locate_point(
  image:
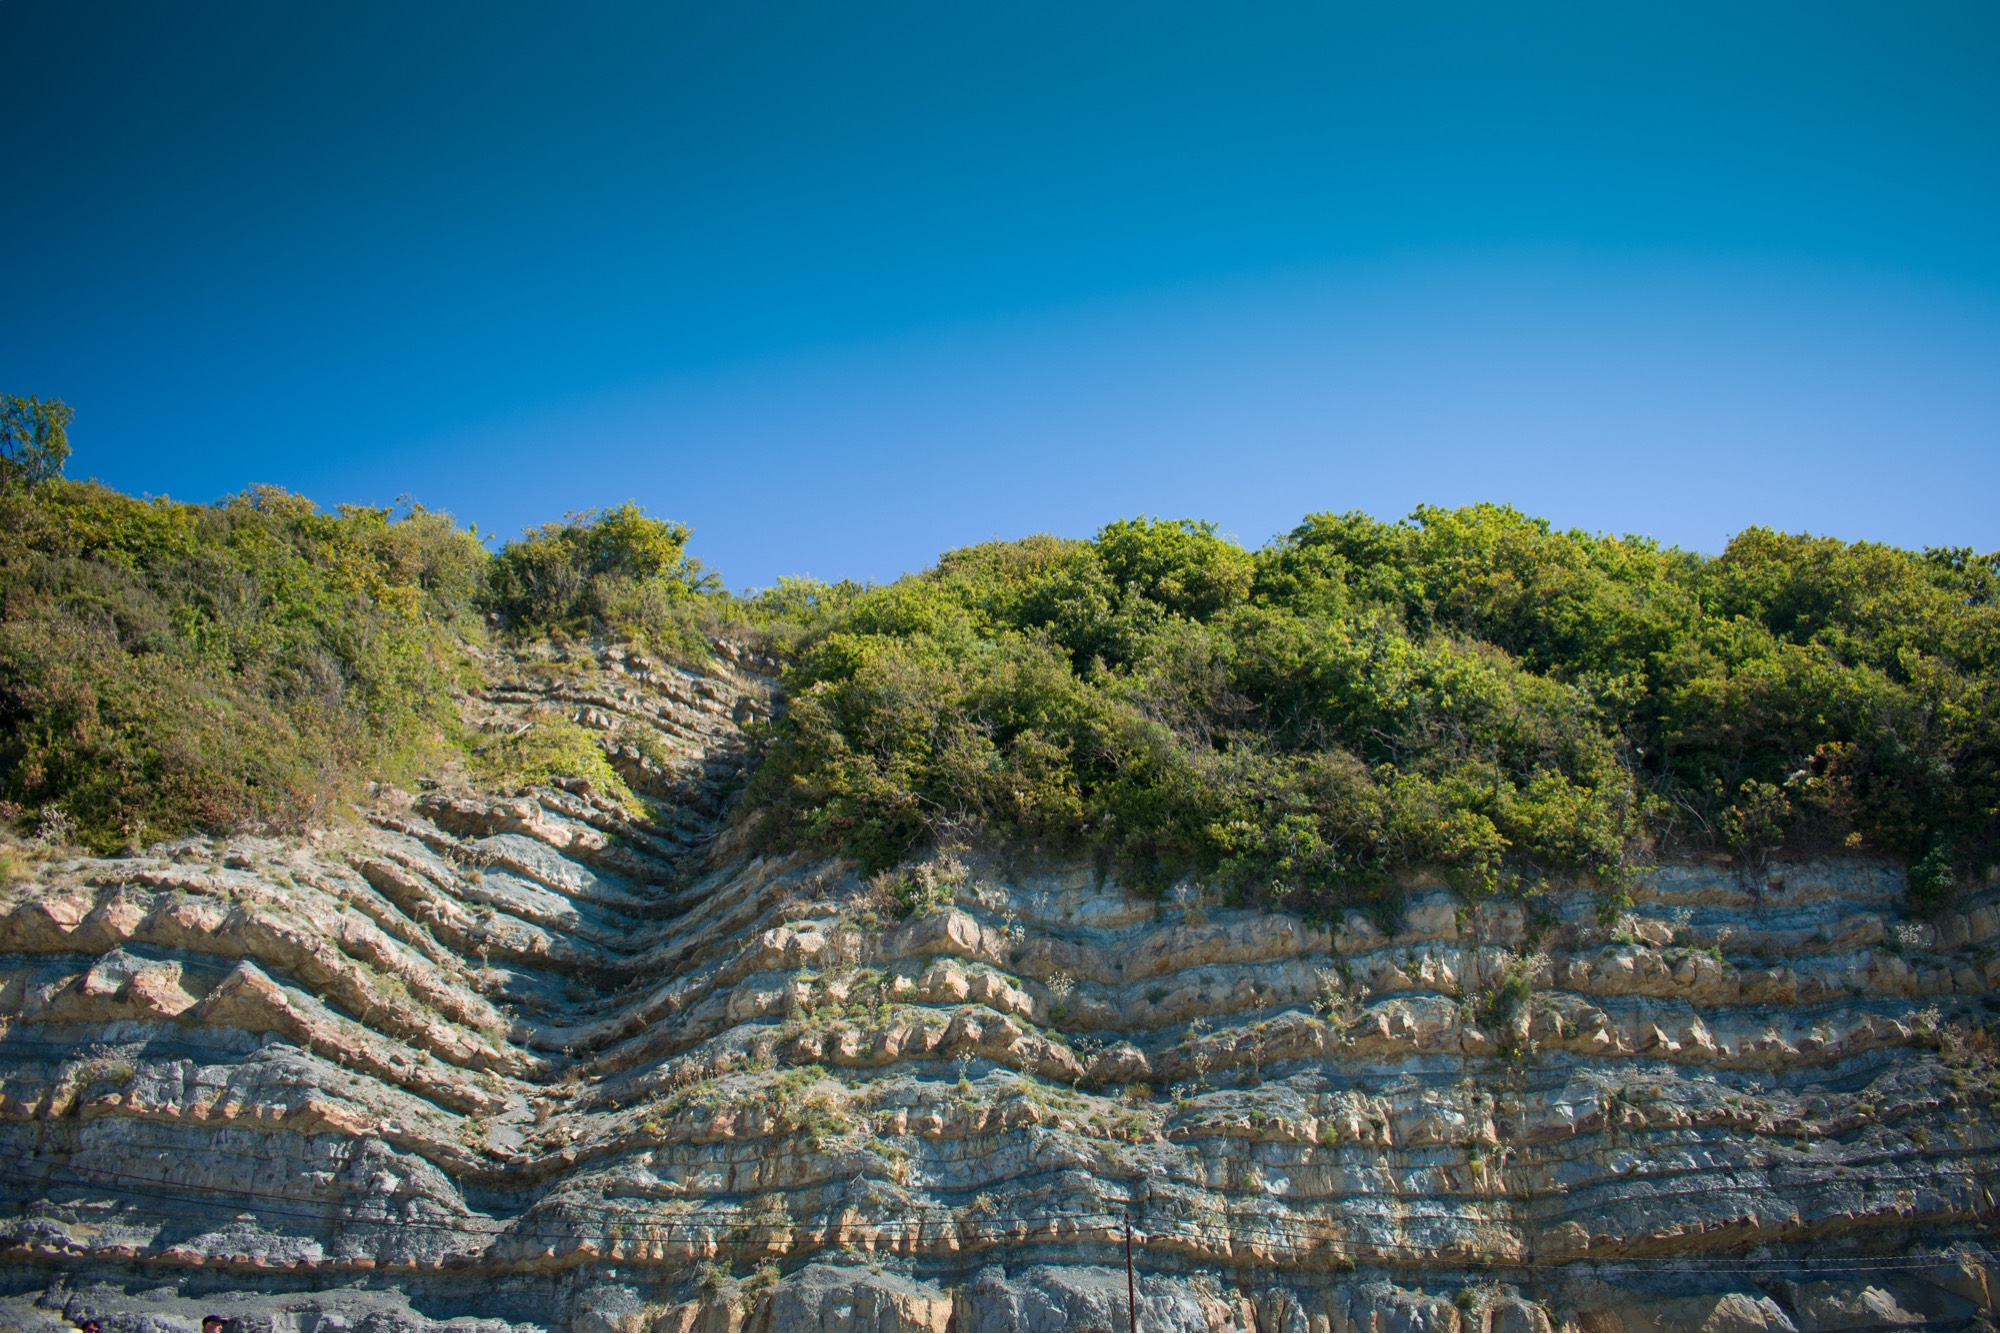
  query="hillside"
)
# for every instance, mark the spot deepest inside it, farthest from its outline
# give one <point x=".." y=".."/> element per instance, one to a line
<point x="1447" y="925"/>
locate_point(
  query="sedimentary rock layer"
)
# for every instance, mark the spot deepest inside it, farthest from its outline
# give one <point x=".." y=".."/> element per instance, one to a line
<point x="531" y="1058"/>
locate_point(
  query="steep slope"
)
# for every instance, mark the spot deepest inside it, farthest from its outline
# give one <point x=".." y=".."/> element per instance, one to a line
<point x="485" y="1058"/>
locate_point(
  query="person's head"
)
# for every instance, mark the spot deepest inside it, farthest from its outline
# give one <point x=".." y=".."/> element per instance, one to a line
<point x="90" y="1327"/>
<point x="212" y="1324"/>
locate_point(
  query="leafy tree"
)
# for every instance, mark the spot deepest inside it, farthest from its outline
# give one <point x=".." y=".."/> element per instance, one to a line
<point x="34" y="439"/>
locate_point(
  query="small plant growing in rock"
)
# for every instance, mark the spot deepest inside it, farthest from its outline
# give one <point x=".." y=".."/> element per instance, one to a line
<point x="1541" y="920"/>
<point x="1059" y="985"/>
<point x="1331" y="1001"/>
<point x="1509" y="997"/>
<point x="1475" y="1301"/>
<point x="761" y="1281"/>
<point x="55" y="828"/>
<point x="922" y="888"/>
<point x="1613" y="906"/>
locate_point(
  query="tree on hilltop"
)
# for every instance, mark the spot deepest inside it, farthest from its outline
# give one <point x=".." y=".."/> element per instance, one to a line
<point x="34" y="438"/>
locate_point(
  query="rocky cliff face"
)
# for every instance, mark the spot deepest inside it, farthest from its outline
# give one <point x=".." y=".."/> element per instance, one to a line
<point x="481" y="1059"/>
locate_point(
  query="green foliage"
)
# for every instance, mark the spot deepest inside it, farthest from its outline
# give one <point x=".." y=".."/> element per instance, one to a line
<point x="1931" y="879"/>
<point x="1467" y="690"/>
<point x="1511" y="993"/>
<point x="803" y="1102"/>
<point x="34" y="439"/>
<point x="920" y="889"/>
<point x="549" y="748"/>
<point x="166" y="667"/>
<point x="614" y="572"/>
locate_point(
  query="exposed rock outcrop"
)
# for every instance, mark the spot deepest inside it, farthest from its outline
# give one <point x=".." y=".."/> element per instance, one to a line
<point x="534" y="1059"/>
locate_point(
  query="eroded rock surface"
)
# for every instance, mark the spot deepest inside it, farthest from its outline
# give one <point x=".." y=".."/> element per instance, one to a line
<point x="527" y="1059"/>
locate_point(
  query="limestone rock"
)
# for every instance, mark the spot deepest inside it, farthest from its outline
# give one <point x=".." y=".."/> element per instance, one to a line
<point x="1844" y="1306"/>
<point x="1064" y="1297"/>
<point x="836" y="1299"/>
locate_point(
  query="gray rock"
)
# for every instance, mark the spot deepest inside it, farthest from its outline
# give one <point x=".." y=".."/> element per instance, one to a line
<point x="1384" y="1306"/>
<point x="607" y="1308"/>
<point x="839" y="1299"/>
<point x="1066" y="1297"/>
<point x="1517" y="1315"/>
<point x="1845" y="1306"/>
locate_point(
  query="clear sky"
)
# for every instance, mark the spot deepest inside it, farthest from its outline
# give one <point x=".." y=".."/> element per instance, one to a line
<point x="843" y="285"/>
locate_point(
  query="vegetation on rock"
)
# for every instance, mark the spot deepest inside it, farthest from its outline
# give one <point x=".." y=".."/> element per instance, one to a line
<point x="617" y="571"/>
<point x="1467" y="690"/>
<point x="166" y="666"/>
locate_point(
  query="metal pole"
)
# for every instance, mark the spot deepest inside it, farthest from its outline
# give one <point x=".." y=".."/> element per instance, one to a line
<point x="1131" y="1290"/>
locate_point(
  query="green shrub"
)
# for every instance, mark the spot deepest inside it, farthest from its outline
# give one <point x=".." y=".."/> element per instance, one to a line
<point x="166" y="667"/>
<point x="614" y="572"/>
<point x="550" y="747"/>
<point x="1511" y="993"/>
<point x="1468" y="691"/>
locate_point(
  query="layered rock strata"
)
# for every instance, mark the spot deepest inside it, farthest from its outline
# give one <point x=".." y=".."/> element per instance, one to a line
<point x="538" y="1059"/>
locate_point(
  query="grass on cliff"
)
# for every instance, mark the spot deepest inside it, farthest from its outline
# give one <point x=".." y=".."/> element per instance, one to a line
<point x="1467" y="690"/>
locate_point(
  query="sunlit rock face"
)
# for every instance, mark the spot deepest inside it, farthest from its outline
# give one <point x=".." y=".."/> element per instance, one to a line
<point x="482" y="1060"/>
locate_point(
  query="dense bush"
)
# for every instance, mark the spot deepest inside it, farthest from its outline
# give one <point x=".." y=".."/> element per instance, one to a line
<point x="168" y="667"/>
<point x="1465" y="690"/>
<point x="615" y="572"/>
<point x="165" y="667"/>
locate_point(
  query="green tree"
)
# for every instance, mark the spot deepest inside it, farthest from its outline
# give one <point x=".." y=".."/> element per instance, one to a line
<point x="34" y="438"/>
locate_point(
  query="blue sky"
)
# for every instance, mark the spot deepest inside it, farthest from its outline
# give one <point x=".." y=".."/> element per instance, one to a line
<point x="844" y="285"/>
